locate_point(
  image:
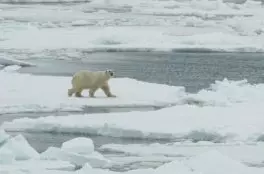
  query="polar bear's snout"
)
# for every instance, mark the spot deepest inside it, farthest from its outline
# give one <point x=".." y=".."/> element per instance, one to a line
<point x="110" y="72"/>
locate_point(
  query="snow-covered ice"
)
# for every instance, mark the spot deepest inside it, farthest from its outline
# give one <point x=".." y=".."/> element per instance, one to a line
<point x="17" y="154"/>
<point x="74" y="152"/>
<point x="208" y="162"/>
<point x="79" y="145"/>
<point x="4" y="61"/>
<point x="3" y="136"/>
<point x="95" y="159"/>
<point x="29" y="93"/>
<point x="117" y="38"/>
<point x="241" y="123"/>
<point x="228" y="111"/>
<point x="248" y="153"/>
<point x="25" y="93"/>
<point x="62" y="162"/>
<point x="38" y="164"/>
<point x="152" y="25"/>
<point x="19" y="146"/>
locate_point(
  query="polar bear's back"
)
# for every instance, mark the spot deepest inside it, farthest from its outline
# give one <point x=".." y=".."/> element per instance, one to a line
<point x="89" y="79"/>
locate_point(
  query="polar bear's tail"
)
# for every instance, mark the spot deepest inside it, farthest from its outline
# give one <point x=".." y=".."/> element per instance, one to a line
<point x="70" y="92"/>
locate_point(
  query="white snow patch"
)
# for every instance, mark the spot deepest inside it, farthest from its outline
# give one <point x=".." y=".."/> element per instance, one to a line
<point x="6" y="156"/>
<point x="20" y="148"/>
<point x="42" y="1"/>
<point x="250" y="153"/>
<point x="80" y="145"/>
<point x="207" y="163"/>
<point x="151" y="24"/>
<point x="17" y="98"/>
<point x="147" y="38"/>
<point x="29" y="93"/>
<point x="36" y="164"/>
<point x="9" y="62"/>
<point x="3" y="136"/>
<point x="53" y="153"/>
<point x="228" y="92"/>
<point x="11" y="68"/>
<point x="178" y="122"/>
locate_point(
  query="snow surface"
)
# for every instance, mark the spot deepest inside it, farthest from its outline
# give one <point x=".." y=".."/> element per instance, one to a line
<point x="79" y="145"/>
<point x="208" y="163"/>
<point x="241" y="122"/>
<point x="151" y="24"/>
<point x="248" y="153"/>
<point x="78" y="151"/>
<point x="29" y="93"/>
<point x="227" y="111"/>
<point x="4" y="61"/>
<point x="55" y="160"/>
<point x="20" y="148"/>
<point x="3" y="136"/>
<point x="54" y="153"/>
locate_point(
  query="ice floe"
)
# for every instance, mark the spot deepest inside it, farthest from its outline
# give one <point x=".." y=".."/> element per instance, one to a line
<point x="25" y="93"/>
<point x="241" y="122"/>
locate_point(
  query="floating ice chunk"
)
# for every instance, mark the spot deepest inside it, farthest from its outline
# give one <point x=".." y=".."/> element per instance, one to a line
<point x="6" y="156"/>
<point x="11" y="68"/>
<point x="16" y="98"/>
<point x="80" y="23"/>
<point x="214" y="162"/>
<point x="185" y="122"/>
<point x="20" y="148"/>
<point x="171" y="167"/>
<point x="97" y="160"/>
<point x="251" y="153"/>
<point x="33" y="164"/>
<point x="12" y="62"/>
<point x="208" y="163"/>
<point x="53" y="153"/>
<point x="10" y="171"/>
<point x="80" y="145"/>
<point x="3" y="136"/>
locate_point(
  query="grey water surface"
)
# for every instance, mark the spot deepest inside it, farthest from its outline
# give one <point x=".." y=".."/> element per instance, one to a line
<point x="194" y="71"/>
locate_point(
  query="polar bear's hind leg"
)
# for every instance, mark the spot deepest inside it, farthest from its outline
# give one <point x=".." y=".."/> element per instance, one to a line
<point x="78" y="93"/>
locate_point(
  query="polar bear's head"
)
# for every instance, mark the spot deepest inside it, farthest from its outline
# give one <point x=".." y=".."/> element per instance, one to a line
<point x="110" y="73"/>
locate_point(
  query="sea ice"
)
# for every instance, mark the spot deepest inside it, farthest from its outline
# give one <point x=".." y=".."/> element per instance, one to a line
<point x="29" y="93"/>
<point x="249" y="153"/>
<point x="37" y="164"/>
<point x="240" y="122"/>
<point x="208" y="163"/>
<point x="80" y="145"/>
<point x="152" y="25"/>
<point x="6" y="156"/>
<point x="20" y="148"/>
<point x="3" y="136"/>
<point x="54" y="153"/>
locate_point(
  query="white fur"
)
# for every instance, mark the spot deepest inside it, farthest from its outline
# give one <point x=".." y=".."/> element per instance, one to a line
<point x="91" y="80"/>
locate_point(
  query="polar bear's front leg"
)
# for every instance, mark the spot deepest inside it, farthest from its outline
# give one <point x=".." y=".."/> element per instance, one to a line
<point x="70" y="92"/>
<point x="78" y="93"/>
<point x="107" y="91"/>
<point x="92" y="91"/>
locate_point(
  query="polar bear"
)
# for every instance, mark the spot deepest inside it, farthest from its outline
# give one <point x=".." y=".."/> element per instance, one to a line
<point x="91" y="80"/>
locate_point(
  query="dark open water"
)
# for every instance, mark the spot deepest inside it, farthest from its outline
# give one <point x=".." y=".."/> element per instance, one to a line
<point x="192" y="70"/>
